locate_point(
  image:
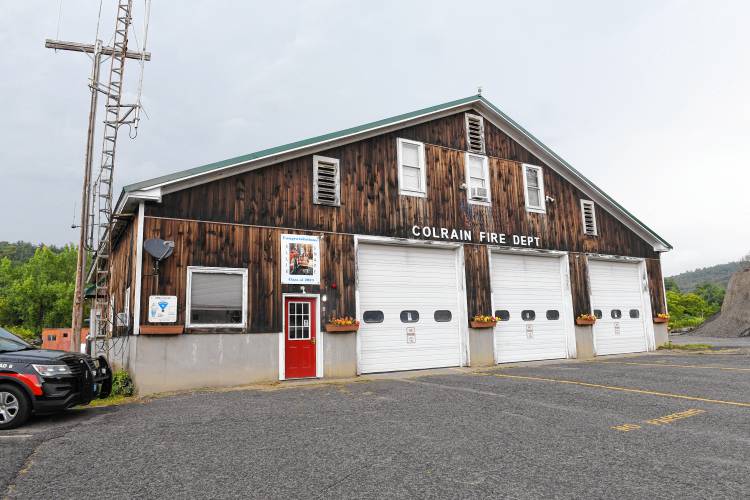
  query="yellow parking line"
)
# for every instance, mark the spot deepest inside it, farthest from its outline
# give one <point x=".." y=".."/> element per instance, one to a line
<point x="703" y="367"/>
<point x="668" y="419"/>
<point x="625" y="389"/>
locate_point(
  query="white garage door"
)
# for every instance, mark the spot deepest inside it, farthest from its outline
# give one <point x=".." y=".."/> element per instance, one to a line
<point x="409" y="308"/>
<point x="529" y="292"/>
<point x="617" y="302"/>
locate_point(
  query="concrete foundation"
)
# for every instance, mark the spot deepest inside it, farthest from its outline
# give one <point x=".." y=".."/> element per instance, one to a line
<point x="661" y="334"/>
<point x="340" y="355"/>
<point x="162" y="363"/>
<point x="584" y="342"/>
<point x="481" y="347"/>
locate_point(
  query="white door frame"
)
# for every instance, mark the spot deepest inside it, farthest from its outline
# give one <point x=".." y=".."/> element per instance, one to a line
<point x="320" y="338"/>
<point x="463" y="332"/>
<point x="647" y="316"/>
<point x="568" y="316"/>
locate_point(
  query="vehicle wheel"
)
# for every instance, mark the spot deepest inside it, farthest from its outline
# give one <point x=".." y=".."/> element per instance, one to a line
<point x="106" y="389"/>
<point x="15" y="407"/>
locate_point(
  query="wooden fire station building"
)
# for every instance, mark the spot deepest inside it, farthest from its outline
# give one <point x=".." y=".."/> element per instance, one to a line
<point x="412" y="225"/>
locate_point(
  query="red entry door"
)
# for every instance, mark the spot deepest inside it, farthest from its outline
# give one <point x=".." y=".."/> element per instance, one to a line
<point x="301" y="336"/>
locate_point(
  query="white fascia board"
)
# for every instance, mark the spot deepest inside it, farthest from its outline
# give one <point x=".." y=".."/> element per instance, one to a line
<point x="133" y="198"/>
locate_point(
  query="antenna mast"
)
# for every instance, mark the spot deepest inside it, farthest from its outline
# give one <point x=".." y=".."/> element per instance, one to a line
<point x="96" y="207"/>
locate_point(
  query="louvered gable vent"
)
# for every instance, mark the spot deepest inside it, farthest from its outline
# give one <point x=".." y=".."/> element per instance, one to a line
<point x="326" y="181"/>
<point x="589" y="217"/>
<point x="475" y="133"/>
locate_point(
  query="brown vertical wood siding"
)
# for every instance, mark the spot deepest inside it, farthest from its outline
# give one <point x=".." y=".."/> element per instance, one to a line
<point x="259" y="251"/>
<point x="123" y="271"/>
<point x="656" y="286"/>
<point x="236" y="221"/>
<point x="478" y="289"/>
<point x="579" y="284"/>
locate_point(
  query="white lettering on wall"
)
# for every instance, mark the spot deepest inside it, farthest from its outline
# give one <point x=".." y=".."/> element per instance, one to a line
<point x="443" y="233"/>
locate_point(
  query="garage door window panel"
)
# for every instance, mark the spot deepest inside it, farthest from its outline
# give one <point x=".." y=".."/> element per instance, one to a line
<point x="528" y="315"/>
<point x="502" y="314"/>
<point x="409" y="316"/>
<point x="616" y="314"/>
<point x="373" y="316"/>
<point x="411" y="161"/>
<point x="442" y="316"/>
<point x="217" y="297"/>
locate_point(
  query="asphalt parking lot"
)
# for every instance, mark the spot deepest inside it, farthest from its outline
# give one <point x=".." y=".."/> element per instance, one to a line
<point x="658" y="425"/>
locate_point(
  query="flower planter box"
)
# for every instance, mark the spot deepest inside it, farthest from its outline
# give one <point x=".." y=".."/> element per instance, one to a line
<point x="661" y="320"/>
<point x="341" y="328"/>
<point x="483" y="324"/>
<point x="585" y="322"/>
<point x="162" y="329"/>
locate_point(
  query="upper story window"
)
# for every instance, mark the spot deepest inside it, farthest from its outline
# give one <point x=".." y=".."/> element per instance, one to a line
<point x="588" y="212"/>
<point x="216" y="297"/>
<point x="412" y="179"/>
<point x="475" y="133"/>
<point x="477" y="178"/>
<point x="533" y="184"/>
<point x="326" y="183"/>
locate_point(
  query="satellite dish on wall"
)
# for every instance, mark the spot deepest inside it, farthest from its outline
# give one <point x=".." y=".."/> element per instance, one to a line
<point x="158" y="248"/>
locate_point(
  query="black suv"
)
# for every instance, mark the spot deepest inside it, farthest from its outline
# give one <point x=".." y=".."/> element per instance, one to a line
<point x="44" y="381"/>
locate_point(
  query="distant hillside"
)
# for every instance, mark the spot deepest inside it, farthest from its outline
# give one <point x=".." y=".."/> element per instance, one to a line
<point x="718" y="275"/>
<point x="21" y="251"/>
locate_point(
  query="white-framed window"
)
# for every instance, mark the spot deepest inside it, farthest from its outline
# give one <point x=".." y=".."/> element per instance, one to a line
<point x="412" y="178"/>
<point x="326" y="183"/>
<point x="474" y="133"/>
<point x="588" y="214"/>
<point x="533" y="187"/>
<point x="216" y="297"/>
<point x="477" y="179"/>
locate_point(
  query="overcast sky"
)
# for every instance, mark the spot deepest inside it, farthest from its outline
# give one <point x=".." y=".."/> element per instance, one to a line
<point x="648" y="99"/>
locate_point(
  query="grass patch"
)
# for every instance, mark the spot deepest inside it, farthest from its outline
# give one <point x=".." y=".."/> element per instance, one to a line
<point x="684" y="347"/>
<point x="112" y="401"/>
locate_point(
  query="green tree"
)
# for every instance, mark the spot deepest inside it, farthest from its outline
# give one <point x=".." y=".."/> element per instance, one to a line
<point x="38" y="293"/>
<point x="713" y="294"/>
<point x="671" y="284"/>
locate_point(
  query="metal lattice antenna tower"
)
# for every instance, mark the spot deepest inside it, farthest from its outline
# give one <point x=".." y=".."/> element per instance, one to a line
<point x="115" y="114"/>
<point x="90" y="230"/>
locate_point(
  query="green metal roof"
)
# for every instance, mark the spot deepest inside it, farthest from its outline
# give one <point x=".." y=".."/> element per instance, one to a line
<point x="368" y="126"/>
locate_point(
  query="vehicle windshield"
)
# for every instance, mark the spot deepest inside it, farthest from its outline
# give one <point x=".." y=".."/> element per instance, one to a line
<point x="10" y="342"/>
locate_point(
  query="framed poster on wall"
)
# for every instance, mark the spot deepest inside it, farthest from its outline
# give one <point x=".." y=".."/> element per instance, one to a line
<point x="300" y="259"/>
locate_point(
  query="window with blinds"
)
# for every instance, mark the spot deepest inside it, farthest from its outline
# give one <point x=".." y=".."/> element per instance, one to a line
<point x="326" y="184"/>
<point x="533" y="182"/>
<point x="216" y="297"/>
<point x="411" y="168"/>
<point x="588" y="213"/>
<point x="475" y="133"/>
